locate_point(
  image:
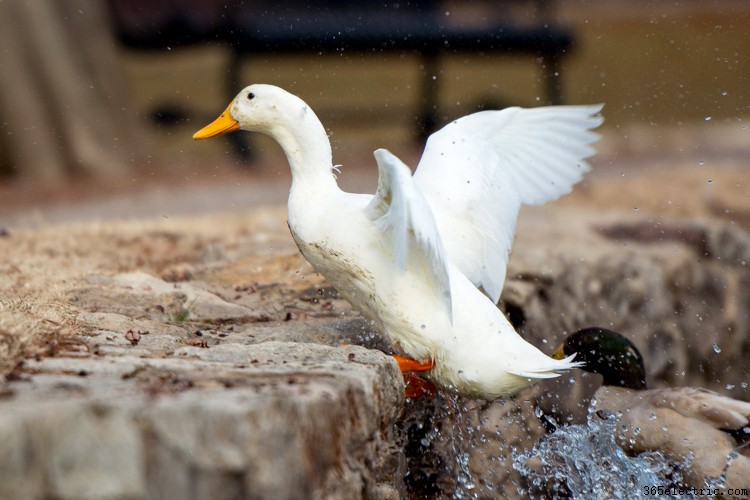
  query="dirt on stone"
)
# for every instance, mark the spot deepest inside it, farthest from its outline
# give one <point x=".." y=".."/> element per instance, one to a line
<point x="49" y="276"/>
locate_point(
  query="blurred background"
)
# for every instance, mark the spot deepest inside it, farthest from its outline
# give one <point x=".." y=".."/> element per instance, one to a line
<point x="99" y="100"/>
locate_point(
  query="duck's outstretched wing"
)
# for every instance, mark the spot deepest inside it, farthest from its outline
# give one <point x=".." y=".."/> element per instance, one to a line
<point x="400" y="210"/>
<point x="477" y="171"/>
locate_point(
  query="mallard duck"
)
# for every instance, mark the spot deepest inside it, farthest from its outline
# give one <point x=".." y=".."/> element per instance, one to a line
<point x="607" y="353"/>
<point x="689" y="425"/>
<point x="424" y="259"/>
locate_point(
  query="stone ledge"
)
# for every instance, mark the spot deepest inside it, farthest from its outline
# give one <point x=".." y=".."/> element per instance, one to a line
<point x="177" y="344"/>
<point x="129" y="427"/>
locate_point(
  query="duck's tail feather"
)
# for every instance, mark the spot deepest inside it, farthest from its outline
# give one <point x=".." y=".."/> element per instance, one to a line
<point x="553" y="368"/>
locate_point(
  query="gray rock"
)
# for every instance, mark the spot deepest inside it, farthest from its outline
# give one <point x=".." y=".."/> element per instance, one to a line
<point x="70" y="449"/>
<point x="198" y="303"/>
<point x="687" y="425"/>
<point x="271" y="420"/>
<point x="230" y="380"/>
<point x="20" y="473"/>
<point x="674" y="288"/>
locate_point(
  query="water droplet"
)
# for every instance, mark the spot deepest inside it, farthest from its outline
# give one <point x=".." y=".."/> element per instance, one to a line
<point x="708" y="118"/>
<point x="716" y="348"/>
<point x="729" y="387"/>
<point x="636" y="209"/>
<point x="652" y="416"/>
<point x="710" y="181"/>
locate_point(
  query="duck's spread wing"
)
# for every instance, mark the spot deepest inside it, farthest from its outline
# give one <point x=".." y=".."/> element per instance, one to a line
<point x="477" y="171"/>
<point x="401" y="212"/>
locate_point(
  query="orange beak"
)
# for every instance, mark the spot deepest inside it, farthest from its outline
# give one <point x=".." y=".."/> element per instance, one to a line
<point x="220" y="126"/>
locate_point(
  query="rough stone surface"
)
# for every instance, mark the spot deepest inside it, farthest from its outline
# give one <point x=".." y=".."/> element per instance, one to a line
<point x="684" y="304"/>
<point x="270" y="420"/>
<point x="695" y="421"/>
<point x="199" y="366"/>
<point x="675" y="288"/>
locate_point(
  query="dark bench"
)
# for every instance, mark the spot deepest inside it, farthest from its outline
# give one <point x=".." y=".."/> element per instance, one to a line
<point x="299" y="26"/>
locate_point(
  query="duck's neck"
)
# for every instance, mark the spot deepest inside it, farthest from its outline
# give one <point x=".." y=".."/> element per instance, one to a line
<point x="308" y="150"/>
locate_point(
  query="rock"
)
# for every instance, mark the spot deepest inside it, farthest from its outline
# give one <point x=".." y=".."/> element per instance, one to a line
<point x="70" y="450"/>
<point x="677" y="305"/>
<point x="290" y="420"/>
<point x="198" y="304"/>
<point x="21" y="475"/>
<point x="90" y="451"/>
<point x="209" y="367"/>
<point x="685" y="425"/>
<point x="118" y="323"/>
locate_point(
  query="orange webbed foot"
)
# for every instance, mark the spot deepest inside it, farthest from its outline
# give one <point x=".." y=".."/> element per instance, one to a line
<point x="417" y="386"/>
<point x="412" y="365"/>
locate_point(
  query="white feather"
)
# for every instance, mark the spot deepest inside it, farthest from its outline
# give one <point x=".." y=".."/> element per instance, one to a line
<point x="477" y="171"/>
<point x="401" y="212"/>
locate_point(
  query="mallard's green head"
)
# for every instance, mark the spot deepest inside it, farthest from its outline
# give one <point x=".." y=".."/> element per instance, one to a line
<point x="607" y="353"/>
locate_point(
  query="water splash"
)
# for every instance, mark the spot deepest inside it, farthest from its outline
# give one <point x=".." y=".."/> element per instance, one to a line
<point x="584" y="461"/>
<point x="462" y="440"/>
<point x="437" y="448"/>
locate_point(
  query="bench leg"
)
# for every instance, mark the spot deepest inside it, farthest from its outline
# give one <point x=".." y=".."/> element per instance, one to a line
<point x="427" y="119"/>
<point x="552" y="78"/>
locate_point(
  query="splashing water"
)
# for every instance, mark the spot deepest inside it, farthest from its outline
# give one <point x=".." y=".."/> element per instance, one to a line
<point x="575" y="461"/>
<point x="462" y="439"/>
<point x="584" y="461"/>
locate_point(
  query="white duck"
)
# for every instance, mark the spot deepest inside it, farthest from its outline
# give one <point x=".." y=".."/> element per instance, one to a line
<point x="411" y="257"/>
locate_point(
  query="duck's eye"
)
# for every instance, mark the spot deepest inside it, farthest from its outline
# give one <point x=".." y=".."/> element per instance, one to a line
<point x="250" y="95"/>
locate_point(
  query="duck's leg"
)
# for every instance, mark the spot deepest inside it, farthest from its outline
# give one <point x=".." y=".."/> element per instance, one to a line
<point x="408" y="364"/>
<point x="415" y="386"/>
<point x="412" y="365"/>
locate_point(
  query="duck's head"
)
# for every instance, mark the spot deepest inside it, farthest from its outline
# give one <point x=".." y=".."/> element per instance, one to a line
<point x="257" y="108"/>
<point x="607" y="353"/>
